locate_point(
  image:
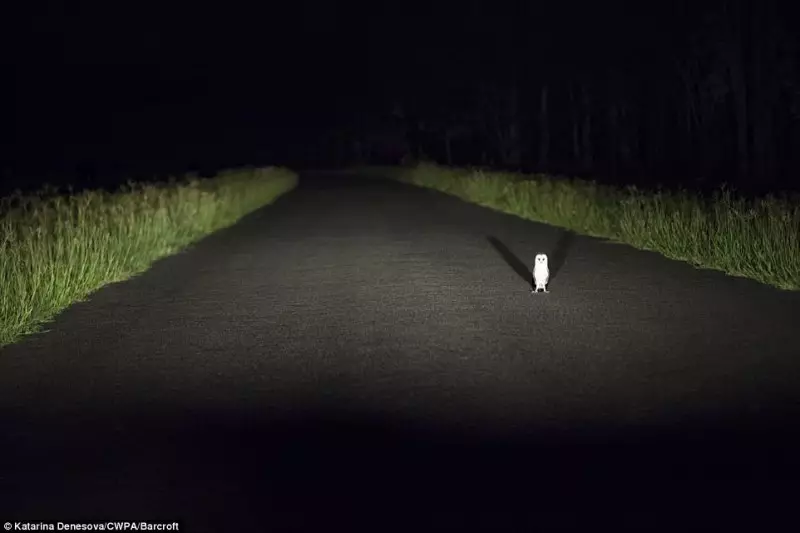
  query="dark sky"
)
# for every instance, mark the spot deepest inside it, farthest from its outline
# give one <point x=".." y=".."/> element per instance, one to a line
<point x="133" y="54"/>
<point x="98" y="70"/>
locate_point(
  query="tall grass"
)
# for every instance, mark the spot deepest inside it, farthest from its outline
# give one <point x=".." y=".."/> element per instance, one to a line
<point x="758" y="239"/>
<point x="57" y="249"/>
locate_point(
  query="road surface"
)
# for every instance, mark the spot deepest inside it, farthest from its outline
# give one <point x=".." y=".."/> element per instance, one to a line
<point x="367" y="355"/>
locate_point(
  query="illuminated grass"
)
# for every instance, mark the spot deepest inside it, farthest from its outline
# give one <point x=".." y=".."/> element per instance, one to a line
<point x="755" y="239"/>
<point x="57" y="249"/>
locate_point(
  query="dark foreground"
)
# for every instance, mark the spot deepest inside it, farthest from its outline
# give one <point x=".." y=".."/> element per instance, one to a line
<point x="365" y="355"/>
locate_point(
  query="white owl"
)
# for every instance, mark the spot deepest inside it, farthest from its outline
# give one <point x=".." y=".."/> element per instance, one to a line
<point x="541" y="273"/>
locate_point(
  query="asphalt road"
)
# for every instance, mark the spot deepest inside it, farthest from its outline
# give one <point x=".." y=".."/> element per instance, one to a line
<point x="367" y="355"/>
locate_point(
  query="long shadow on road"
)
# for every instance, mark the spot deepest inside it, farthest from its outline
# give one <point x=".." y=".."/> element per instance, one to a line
<point x="559" y="254"/>
<point x="556" y="258"/>
<point x="511" y="260"/>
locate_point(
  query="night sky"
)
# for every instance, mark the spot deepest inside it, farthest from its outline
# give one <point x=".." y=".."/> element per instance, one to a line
<point x="109" y="88"/>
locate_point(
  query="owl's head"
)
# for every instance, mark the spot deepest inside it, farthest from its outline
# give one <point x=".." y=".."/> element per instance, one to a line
<point x="541" y="260"/>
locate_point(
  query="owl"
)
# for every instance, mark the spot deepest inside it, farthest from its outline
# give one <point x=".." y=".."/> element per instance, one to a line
<point x="541" y="273"/>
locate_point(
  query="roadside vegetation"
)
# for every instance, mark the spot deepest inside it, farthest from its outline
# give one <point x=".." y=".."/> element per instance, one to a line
<point x="56" y="249"/>
<point x="757" y="239"/>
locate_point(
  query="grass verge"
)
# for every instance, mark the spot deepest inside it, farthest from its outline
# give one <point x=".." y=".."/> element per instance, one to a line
<point x="758" y="239"/>
<point x="57" y="249"/>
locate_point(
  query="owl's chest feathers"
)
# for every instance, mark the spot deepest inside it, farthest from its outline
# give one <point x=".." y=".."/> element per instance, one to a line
<point x="541" y="272"/>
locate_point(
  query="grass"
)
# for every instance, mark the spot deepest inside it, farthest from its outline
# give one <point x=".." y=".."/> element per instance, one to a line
<point x="758" y="239"/>
<point x="57" y="249"/>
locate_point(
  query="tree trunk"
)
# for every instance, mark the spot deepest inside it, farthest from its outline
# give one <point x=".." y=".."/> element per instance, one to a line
<point x="588" y="154"/>
<point x="765" y="91"/>
<point x="688" y="74"/>
<point x="358" y="152"/>
<point x="514" y="151"/>
<point x="740" y="101"/>
<point x="655" y="138"/>
<point x="576" y="127"/>
<point x="447" y="150"/>
<point x="733" y="55"/>
<point x="637" y="130"/>
<point x="544" y="132"/>
<point x="613" y="129"/>
<point x="625" y="136"/>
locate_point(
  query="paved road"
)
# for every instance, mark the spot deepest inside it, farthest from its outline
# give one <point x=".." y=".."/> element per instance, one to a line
<point x="364" y="354"/>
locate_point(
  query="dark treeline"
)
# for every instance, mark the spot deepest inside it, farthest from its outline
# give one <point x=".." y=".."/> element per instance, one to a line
<point x="97" y="93"/>
<point x="101" y="125"/>
<point x="674" y="92"/>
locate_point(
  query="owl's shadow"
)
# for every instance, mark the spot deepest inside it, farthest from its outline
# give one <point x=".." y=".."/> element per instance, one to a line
<point x="555" y="259"/>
